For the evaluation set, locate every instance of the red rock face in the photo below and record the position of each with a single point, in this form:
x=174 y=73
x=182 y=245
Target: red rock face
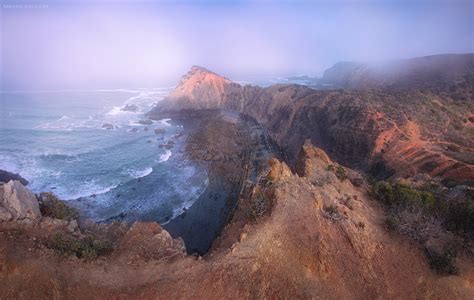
x=401 y=132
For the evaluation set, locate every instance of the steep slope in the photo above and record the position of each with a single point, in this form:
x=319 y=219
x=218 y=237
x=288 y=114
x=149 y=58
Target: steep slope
x=396 y=132
x=322 y=238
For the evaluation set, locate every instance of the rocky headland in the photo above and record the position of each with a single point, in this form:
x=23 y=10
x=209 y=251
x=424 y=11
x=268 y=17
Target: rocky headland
x=403 y=132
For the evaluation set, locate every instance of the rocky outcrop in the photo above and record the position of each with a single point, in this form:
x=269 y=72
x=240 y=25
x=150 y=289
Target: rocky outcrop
x=401 y=132
x=6 y=176
x=149 y=241
x=130 y=108
x=108 y=126
x=17 y=202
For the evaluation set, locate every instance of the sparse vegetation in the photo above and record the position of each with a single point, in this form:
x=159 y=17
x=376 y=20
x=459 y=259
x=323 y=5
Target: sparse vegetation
x=429 y=214
x=360 y=225
x=258 y=205
x=53 y=207
x=338 y=170
x=401 y=195
x=88 y=247
x=332 y=212
x=346 y=200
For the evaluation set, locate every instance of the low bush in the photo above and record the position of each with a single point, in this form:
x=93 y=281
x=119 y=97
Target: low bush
x=332 y=212
x=88 y=247
x=51 y=206
x=402 y=195
x=339 y=171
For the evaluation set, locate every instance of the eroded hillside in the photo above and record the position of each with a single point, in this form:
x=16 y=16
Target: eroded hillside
x=321 y=235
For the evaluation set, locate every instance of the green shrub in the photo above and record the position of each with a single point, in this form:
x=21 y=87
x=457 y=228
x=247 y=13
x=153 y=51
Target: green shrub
x=330 y=168
x=424 y=215
x=402 y=195
x=87 y=247
x=53 y=207
x=339 y=171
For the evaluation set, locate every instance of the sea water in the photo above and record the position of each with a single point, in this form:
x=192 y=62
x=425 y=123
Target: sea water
x=59 y=141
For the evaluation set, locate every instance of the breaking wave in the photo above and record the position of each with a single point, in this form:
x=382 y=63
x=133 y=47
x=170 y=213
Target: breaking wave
x=140 y=173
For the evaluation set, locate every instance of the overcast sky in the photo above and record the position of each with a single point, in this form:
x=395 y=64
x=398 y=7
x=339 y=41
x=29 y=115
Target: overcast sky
x=124 y=44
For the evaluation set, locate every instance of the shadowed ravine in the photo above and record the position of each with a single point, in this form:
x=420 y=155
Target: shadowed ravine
x=233 y=149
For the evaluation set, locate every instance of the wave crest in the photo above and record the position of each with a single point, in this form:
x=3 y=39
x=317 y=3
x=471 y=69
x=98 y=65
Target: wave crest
x=165 y=156
x=140 y=173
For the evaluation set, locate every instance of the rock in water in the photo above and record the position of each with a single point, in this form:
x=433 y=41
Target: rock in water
x=17 y=202
x=107 y=126
x=145 y=122
x=159 y=131
x=6 y=176
x=129 y=107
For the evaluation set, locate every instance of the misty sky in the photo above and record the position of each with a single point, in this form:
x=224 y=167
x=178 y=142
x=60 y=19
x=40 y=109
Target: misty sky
x=123 y=44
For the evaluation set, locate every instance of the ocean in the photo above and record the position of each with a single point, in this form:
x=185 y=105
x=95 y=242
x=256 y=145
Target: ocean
x=92 y=149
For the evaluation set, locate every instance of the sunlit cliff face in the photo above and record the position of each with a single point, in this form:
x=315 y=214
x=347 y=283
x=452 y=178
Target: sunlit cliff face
x=123 y=44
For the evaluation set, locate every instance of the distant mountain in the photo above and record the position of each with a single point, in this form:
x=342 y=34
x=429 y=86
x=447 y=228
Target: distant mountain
x=413 y=129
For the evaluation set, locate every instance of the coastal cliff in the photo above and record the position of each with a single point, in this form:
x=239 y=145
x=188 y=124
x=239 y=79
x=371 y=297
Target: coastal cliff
x=297 y=226
x=385 y=132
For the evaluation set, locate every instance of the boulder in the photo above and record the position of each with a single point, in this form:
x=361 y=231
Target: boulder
x=17 y=202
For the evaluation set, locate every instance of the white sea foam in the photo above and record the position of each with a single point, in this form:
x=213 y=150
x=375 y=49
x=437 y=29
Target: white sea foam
x=165 y=156
x=190 y=194
x=88 y=188
x=165 y=122
x=140 y=173
x=116 y=110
